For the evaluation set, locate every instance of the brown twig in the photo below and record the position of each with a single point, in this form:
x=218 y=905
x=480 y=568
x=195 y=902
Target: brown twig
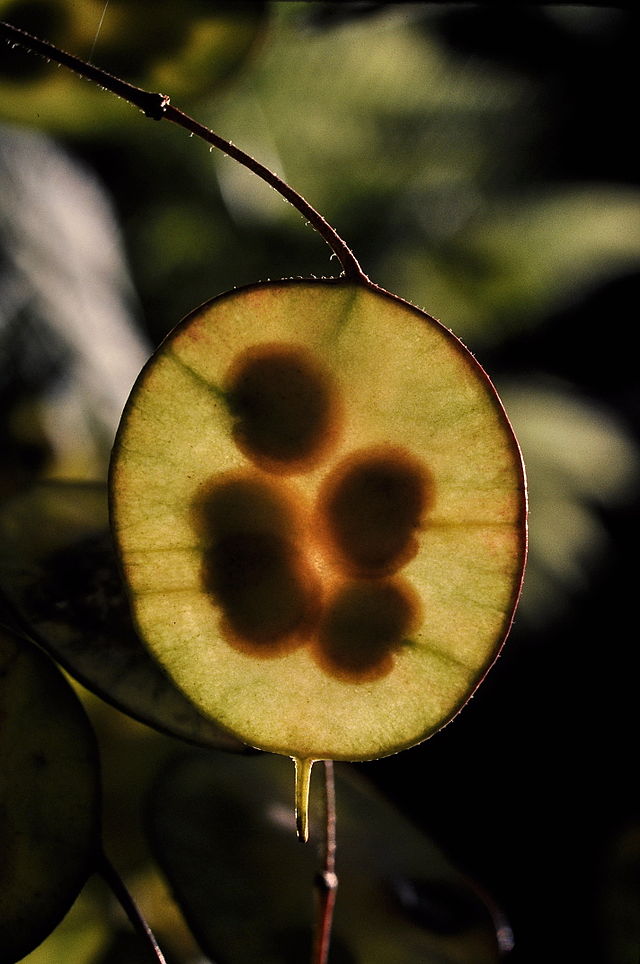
x=158 y=107
x=326 y=880
x=113 y=879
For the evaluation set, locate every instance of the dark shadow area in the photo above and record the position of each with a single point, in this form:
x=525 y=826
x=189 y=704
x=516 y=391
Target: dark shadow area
x=362 y=626
x=371 y=505
x=253 y=567
x=440 y=905
x=287 y=413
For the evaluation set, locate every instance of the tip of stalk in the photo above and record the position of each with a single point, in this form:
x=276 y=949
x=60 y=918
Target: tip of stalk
x=302 y=784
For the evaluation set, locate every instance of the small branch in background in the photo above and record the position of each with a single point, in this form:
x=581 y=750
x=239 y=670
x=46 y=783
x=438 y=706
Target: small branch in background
x=157 y=106
x=326 y=880
x=113 y=879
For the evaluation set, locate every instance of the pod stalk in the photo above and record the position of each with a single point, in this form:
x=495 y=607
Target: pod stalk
x=158 y=107
x=302 y=785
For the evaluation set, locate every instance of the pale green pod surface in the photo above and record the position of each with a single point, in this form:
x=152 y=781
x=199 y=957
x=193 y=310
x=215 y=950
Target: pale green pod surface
x=49 y=797
x=319 y=506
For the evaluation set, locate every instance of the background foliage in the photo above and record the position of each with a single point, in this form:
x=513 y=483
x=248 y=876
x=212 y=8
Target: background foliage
x=480 y=163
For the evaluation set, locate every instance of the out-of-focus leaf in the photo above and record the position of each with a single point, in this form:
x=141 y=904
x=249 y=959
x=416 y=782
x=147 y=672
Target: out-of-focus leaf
x=186 y=52
x=545 y=250
x=456 y=234
x=49 y=797
x=579 y=458
x=358 y=94
x=224 y=834
x=58 y=568
x=517 y=260
x=69 y=352
x=84 y=930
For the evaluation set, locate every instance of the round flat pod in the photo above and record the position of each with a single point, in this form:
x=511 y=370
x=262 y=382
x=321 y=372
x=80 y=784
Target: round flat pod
x=319 y=506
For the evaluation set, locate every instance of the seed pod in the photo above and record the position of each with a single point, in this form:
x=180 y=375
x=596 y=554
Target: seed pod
x=320 y=511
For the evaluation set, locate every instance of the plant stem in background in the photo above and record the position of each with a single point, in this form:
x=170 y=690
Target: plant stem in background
x=158 y=107
x=326 y=880
x=113 y=879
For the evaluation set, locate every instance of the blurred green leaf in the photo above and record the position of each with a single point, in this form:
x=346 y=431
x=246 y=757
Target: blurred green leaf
x=422 y=158
x=58 y=569
x=517 y=260
x=49 y=797
x=81 y=934
x=374 y=114
x=223 y=831
x=187 y=53
x=579 y=458
x=547 y=249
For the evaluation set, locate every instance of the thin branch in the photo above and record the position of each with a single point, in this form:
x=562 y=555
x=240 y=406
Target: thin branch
x=158 y=107
x=326 y=880
x=345 y=256
x=111 y=877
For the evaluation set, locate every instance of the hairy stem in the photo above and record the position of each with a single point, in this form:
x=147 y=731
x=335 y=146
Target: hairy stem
x=158 y=107
x=113 y=879
x=326 y=880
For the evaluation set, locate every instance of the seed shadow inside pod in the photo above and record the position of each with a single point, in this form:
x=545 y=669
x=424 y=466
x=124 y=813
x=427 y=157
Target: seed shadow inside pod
x=253 y=567
x=286 y=408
